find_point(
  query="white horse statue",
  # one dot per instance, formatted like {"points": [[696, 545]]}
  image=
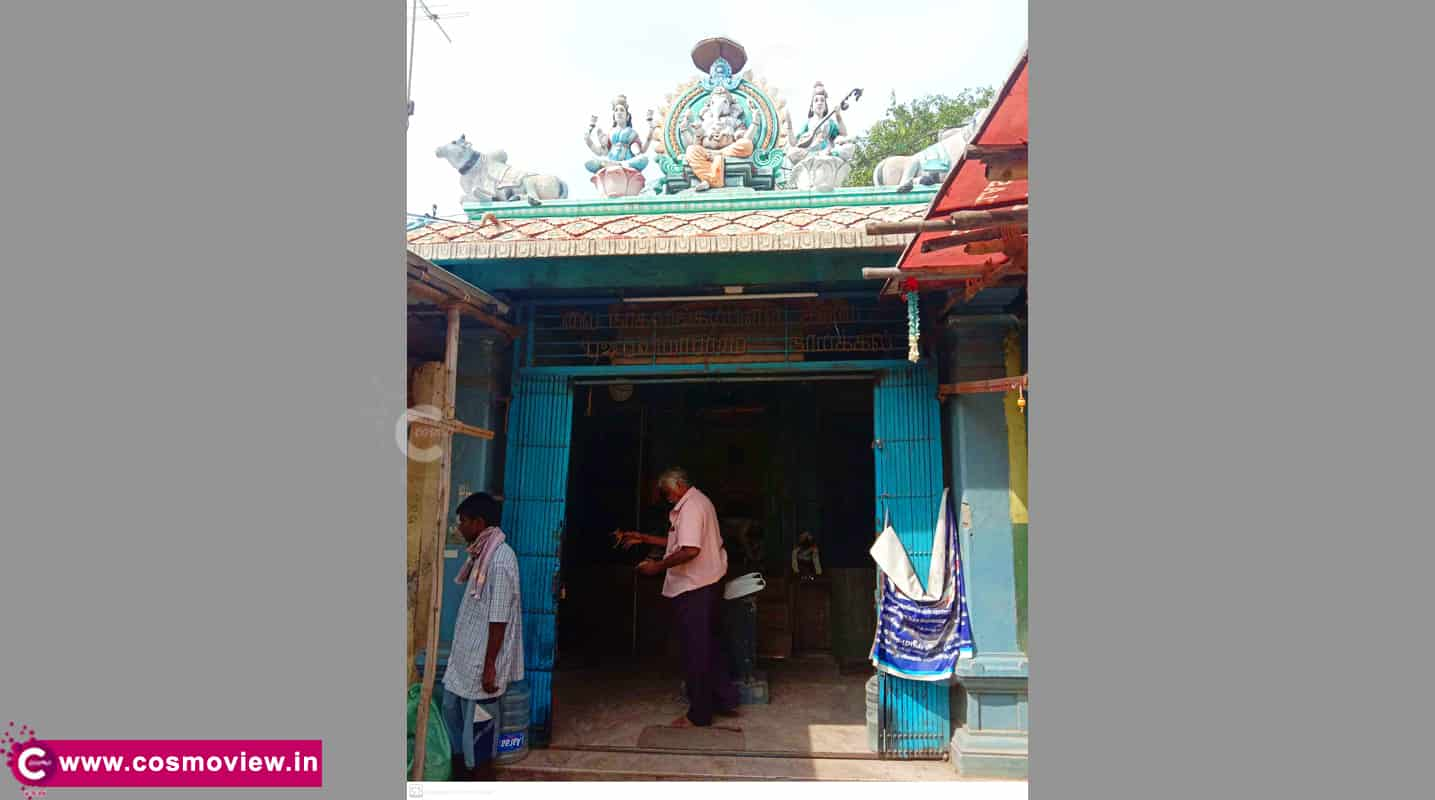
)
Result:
{"points": [[929, 166], [487, 177]]}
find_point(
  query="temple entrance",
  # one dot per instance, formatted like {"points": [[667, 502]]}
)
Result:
{"points": [[779, 457]]}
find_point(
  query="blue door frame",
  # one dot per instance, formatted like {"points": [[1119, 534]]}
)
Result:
{"points": [[914, 718]]}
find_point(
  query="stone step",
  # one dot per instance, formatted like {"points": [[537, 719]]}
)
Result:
{"points": [[588, 765]]}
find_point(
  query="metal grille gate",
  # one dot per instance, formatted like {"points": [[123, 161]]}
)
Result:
{"points": [[914, 716], [535, 485]]}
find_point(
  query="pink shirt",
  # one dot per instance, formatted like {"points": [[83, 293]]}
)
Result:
{"points": [[693, 523]]}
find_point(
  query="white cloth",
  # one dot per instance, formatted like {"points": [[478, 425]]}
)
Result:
{"points": [[891, 556], [922, 634]]}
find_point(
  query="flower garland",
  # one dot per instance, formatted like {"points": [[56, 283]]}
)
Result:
{"points": [[914, 319]]}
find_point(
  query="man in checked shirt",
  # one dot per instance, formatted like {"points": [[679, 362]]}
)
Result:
{"points": [[487, 650]]}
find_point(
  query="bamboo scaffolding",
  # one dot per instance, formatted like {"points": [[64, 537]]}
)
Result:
{"points": [[450, 362]]}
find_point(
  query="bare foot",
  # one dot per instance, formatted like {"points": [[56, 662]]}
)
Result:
{"points": [[684, 722]]}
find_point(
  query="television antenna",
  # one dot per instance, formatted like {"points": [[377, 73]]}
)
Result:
{"points": [[413, 38]]}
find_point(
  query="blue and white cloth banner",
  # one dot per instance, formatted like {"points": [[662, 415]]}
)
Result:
{"points": [[922, 633]]}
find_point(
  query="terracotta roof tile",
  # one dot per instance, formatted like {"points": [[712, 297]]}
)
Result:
{"points": [[619, 226], [780, 227], [578, 227], [736, 231], [666, 223]]}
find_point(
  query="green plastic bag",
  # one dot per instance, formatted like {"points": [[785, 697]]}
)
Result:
{"points": [[438, 751]]}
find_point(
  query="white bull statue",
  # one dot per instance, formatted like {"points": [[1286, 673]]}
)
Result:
{"points": [[927, 167], [488, 178]]}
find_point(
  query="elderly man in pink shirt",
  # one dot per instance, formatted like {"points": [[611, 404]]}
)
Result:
{"points": [[695, 562]]}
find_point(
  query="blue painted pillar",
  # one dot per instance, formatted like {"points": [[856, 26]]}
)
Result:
{"points": [[991, 739]]}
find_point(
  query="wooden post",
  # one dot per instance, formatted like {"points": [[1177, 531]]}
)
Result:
{"points": [[450, 363], [423, 489]]}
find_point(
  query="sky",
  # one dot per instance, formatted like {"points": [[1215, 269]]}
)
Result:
{"points": [[527, 78]]}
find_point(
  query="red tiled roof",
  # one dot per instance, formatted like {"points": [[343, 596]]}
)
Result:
{"points": [[967, 187], [836, 227]]}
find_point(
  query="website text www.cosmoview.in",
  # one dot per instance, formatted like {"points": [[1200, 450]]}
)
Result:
{"points": [[167, 763]]}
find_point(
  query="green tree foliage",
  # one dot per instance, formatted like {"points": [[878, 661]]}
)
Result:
{"points": [[910, 127]]}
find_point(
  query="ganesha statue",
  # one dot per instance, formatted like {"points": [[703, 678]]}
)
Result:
{"points": [[720, 131], [719, 134]]}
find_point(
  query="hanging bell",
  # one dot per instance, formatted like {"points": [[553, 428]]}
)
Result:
{"points": [[1021, 399]]}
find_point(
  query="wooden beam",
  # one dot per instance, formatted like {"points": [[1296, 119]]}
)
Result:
{"points": [[1011, 384], [991, 152], [449, 425], [987, 248], [885, 228], [418, 266], [967, 237], [1012, 215], [1017, 263], [440, 517], [1003, 162], [945, 273], [961, 220], [438, 297], [1007, 171]]}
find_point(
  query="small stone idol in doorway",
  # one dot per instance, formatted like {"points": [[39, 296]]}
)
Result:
{"points": [[806, 560]]}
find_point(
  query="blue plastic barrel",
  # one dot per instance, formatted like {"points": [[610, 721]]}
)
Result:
{"points": [[513, 727]]}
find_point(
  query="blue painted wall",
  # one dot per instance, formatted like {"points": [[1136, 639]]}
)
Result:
{"points": [[981, 437]]}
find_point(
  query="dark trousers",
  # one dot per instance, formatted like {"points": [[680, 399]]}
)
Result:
{"points": [[710, 686]]}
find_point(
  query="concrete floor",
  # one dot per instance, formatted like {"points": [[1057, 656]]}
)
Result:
{"points": [[813, 708]]}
